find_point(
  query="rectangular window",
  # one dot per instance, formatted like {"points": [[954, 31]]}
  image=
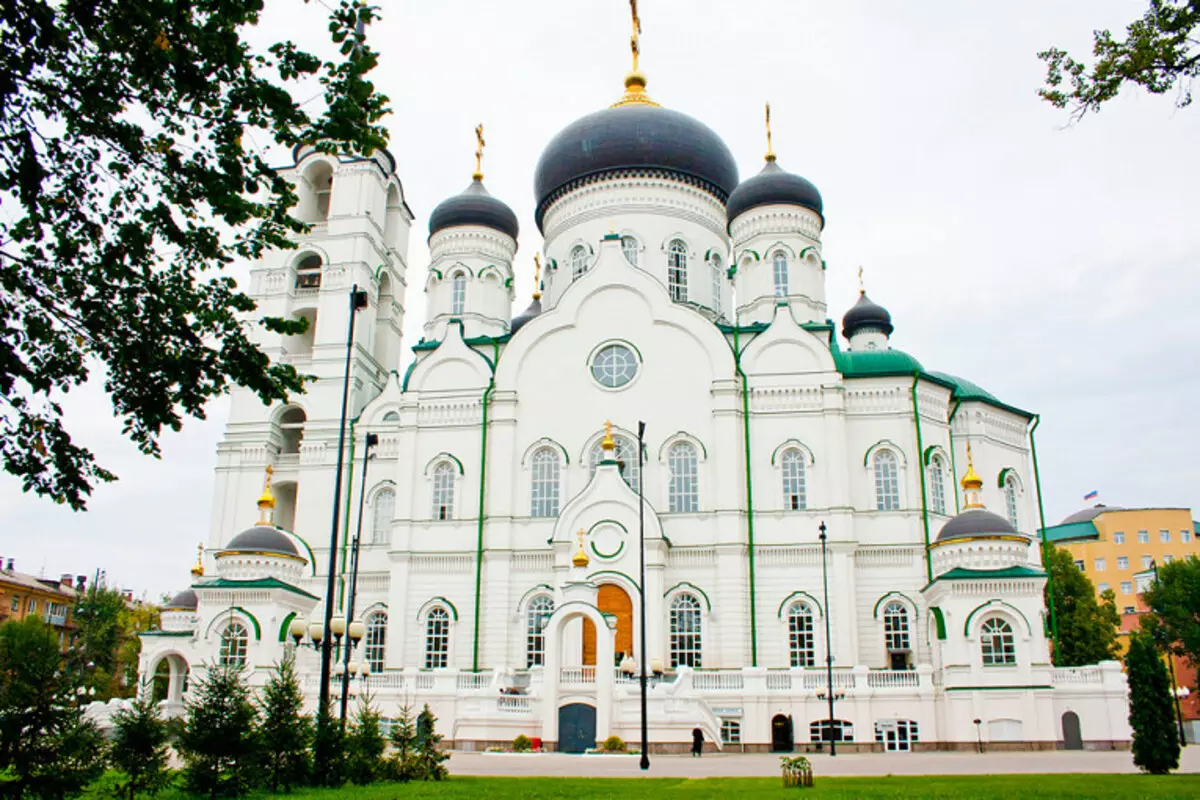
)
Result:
{"points": [[1168, 558], [1146, 562], [1185, 536], [1119, 537], [1143, 537], [1102, 587], [1164, 537], [1126, 587], [1101, 564], [1079, 565], [731, 731], [31, 607], [1129, 610], [16, 604], [1122, 562]]}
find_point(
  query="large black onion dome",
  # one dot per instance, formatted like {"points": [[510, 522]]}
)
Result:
{"points": [[262, 539], [976, 522], [519, 321], [184, 601], [866, 314], [474, 207], [633, 136], [774, 186]]}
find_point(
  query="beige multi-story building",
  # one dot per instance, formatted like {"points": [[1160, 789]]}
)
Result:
{"points": [[51, 600]]}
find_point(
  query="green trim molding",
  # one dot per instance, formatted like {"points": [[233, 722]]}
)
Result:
{"points": [[178, 634], [893, 593], [227, 615], [939, 620], [283, 629], [541, 588], [1004, 476], [439, 600], [994, 604], [254, 583], [692, 587], [798, 594], [485, 402]]}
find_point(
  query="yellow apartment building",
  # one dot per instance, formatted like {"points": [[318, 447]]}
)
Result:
{"points": [[52, 600]]}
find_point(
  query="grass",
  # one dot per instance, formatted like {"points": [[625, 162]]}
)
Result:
{"points": [[981, 787]]}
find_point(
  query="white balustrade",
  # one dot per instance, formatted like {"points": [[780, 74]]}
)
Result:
{"points": [[472, 681], [1061, 675], [577, 675], [892, 679], [779, 681], [717, 681], [818, 679], [514, 704], [424, 681]]}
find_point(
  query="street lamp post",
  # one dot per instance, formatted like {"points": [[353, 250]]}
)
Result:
{"points": [[1171, 670], [645, 760], [978, 734], [372, 441], [828, 647], [358, 299]]}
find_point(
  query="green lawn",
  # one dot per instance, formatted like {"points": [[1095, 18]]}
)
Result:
{"points": [[1000, 787]]}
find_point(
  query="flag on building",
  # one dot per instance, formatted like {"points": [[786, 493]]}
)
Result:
{"points": [[1092, 495]]}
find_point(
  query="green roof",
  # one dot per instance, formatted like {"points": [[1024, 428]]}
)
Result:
{"points": [[1071, 531], [964, 389], [871, 363], [165, 633], [962, 573], [254, 583]]}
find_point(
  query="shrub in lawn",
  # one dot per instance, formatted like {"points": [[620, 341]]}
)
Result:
{"points": [[402, 766], [285, 732], [522, 744], [220, 743], [614, 744], [139, 748], [429, 758], [365, 745]]}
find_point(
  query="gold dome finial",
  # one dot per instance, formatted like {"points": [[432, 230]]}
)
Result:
{"points": [[478, 174], [972, 484], [635, 81], [607, 443], [580, 559], [198, 567], [861, 286], [537, 277], [266, 501], [770, 152]]}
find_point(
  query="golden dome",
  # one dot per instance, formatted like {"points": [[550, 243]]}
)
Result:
{"points": [[607, 444], [198, 567], [580, 559]]}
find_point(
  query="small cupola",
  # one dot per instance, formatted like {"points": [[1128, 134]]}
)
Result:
{"points": [[263, 550], [774, 186], [535, 306], [474, 205], [867, 325]]}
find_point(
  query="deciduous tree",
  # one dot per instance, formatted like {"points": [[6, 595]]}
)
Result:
{"points": [[1175, 600], [1087, 628]]}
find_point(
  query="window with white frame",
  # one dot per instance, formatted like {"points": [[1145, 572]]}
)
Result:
{"points": [[1164, 537], [443, 490], [887, 481], [683, 493], [625, 454], [383, 509], [1101, 564], [579, 260], [714, 264], [536, 616], [996, 643], [1143, 537], [821, 731], [1079, 565], [1010, 501], [937, 485], [1122, 562], [1146, 561], [545, 466], [802, 650], [1168, 558], [1118, 537], [677, 258], [731, 731], [780, 271], [685, 631], [1102, 587], [795, 489], [1126, 587], [437, 638], [629, 247], [1185, 536], [458, 293], [234, 642], [375, 641], [895, 627]]}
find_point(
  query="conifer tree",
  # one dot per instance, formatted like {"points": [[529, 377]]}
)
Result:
{"points": [[404, 746], [330, 739], [1151, 714], [429, 758], [219, 742], [139, 747], [285, 732], [365, 745]]}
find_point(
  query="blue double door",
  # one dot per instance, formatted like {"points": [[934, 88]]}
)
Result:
{"points": [[576, 728]]}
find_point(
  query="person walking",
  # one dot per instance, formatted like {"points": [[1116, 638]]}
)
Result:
{"points": [[697, 742]]}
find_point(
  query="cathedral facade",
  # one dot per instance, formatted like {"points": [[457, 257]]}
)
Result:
{"points": [[805, 493]]}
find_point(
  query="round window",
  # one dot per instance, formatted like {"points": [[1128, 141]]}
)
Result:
{"points": [[614, 365]]}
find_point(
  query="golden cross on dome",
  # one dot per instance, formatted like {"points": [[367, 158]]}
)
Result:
{"points": [[608, 443], [861, 289], [580, 536], [479, 152], [770, 153], [198, 569], [637, 29], [537, 277]]}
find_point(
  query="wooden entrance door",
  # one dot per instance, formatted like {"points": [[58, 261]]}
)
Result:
{"points": [[611, 599]]}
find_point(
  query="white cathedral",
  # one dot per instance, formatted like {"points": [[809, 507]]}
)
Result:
{"points": [[498, 572]]}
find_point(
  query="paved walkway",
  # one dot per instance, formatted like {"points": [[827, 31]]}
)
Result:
{"points": [[761, 764]]}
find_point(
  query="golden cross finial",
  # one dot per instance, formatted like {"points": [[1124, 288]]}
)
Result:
{"points": [[770, 153], [580, 558], [479, 152], [861, 288], [266, 501], [607, 443], [637, 29], [970, 461], [537, 277], [198, 570], [635, 81], [580, 536]]}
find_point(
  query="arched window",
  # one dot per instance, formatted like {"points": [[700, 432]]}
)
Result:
{"points": [[887, 481], [320, 179], [375, 642], [579, 259], [895, 627], [437, 638], [308, 273], [937, 486], [780, 271], [1010, 501], [458, 293], [795, 489], [677, 271], [536, 616], [382, 511], [234, 641], [291, 430], [683, 493], [629, 247], [685, 631], [715, 265], [996, 643], [801, 646], [544, 487], [627, 460], [443, 491]]}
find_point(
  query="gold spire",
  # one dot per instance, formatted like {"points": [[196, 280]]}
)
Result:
{"points": [[770, 153], [972, 484], [478, 175], [537, 277], [266, 501], [580, 559], [198, 568], [607, 443], [861, 287], [635, 81]]}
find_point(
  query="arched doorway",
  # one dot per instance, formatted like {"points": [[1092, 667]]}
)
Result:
{"points": [[782, 740], [576, 728], [1072, 737], [610, 599], [169, 680]]}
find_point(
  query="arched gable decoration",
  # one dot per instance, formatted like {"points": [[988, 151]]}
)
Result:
{"points": [[685, 586], [229, 614], [939, 620], [893, 595], [595, 438], [791, 254], [883, 444], [682, 436], [440, 457], [545, 441], [748, 252], [625, 582], [789, 444], [433, 602], [1004, 475], [371, 609], [540, 589], [491, 269], [806, 597], [459, 267], [678, 236], [935, 450], [994, 605], [287, 623]]}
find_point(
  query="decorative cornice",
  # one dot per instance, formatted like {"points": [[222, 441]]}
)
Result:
{"points": [[471, 240], [778, 220], [554, 215]]}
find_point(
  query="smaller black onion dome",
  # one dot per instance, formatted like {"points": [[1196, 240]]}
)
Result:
{"points": [[1089, 514], [774, 186], [262, 539], [519, 321], [866, 314], [474, 206], [976, 522], [184, 601]]}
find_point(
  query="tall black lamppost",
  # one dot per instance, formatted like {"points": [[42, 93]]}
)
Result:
{"points": [[1170, 668], [372, 441], [358, 299], [645, 760], [828, 648]]}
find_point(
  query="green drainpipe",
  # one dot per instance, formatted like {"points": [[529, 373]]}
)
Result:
{"points": [[953, 460], [346, 520], [1037, 480], [487, 398], [737, 360], [921, 469]]}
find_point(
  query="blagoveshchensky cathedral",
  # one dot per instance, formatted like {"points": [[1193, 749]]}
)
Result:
{"points": [[497, 573]]}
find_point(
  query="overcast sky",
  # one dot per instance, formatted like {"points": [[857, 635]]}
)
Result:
{"points": [[1055, 266]]}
